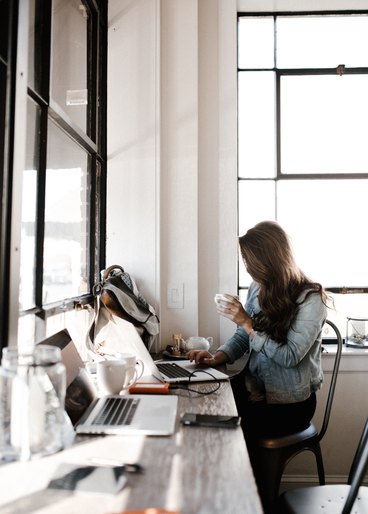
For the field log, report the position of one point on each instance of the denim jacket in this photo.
(282, 373)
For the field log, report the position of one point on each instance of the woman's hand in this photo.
(205, 357)
(233, 310)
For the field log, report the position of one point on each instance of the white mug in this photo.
(111, 375)
(221, 297)
(133, 373)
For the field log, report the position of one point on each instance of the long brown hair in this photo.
(268, 257)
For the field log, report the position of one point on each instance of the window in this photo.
(62, 233)
(302, 127)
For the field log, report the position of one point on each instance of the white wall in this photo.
(171, 219)
(179, 164)
(133, 141)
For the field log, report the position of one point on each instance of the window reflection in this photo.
(69, 59)
(66, 236)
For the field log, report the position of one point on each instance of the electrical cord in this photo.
(187, 388)
(190, 389)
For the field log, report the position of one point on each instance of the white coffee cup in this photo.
(111, 375)
(223, 298)
(135, 367)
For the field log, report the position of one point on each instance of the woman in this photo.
(281, 327)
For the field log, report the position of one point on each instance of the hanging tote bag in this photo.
(117, 294)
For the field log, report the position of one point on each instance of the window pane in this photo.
(4, 22)
(323, 124)
(69, 59)
(36, 45)
(253, 210)
(66, 223)
(327, 223)
(3, 82)
(29, 203)
(26, 331)
(256, 42)
(256, 130)
(322, 42)
(4, 14)
(32, 34)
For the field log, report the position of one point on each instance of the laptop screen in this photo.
(80, 390)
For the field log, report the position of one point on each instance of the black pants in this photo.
(274, 419)
(261, 419)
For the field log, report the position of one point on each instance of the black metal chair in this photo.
(275, 453)
(334, 499)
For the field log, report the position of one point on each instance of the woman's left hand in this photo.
(233, 310)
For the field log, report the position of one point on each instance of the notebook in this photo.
(113, 414)
(168, 371)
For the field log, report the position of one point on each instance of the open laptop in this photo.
(171, 371)
(114, 414)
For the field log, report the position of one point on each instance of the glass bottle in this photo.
(36, 401)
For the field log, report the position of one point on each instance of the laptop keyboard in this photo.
(116, 411)
(172, 370)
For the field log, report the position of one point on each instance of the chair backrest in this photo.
(357, 470)
(335, 371)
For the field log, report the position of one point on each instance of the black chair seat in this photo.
(333, 499)
(290, 440)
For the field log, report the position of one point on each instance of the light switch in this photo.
(175, 296)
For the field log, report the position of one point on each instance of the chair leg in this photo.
(321, 470)
(268, 472)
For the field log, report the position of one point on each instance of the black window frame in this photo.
(9, 20)
(95, 144)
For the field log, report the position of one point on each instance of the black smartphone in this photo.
(210, 420)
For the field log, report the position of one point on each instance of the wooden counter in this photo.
(195, 471)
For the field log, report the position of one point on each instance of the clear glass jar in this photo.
(357, 332)
(35, 383)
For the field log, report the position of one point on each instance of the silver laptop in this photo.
(174, 371)
(121, 415)
(130, 415)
